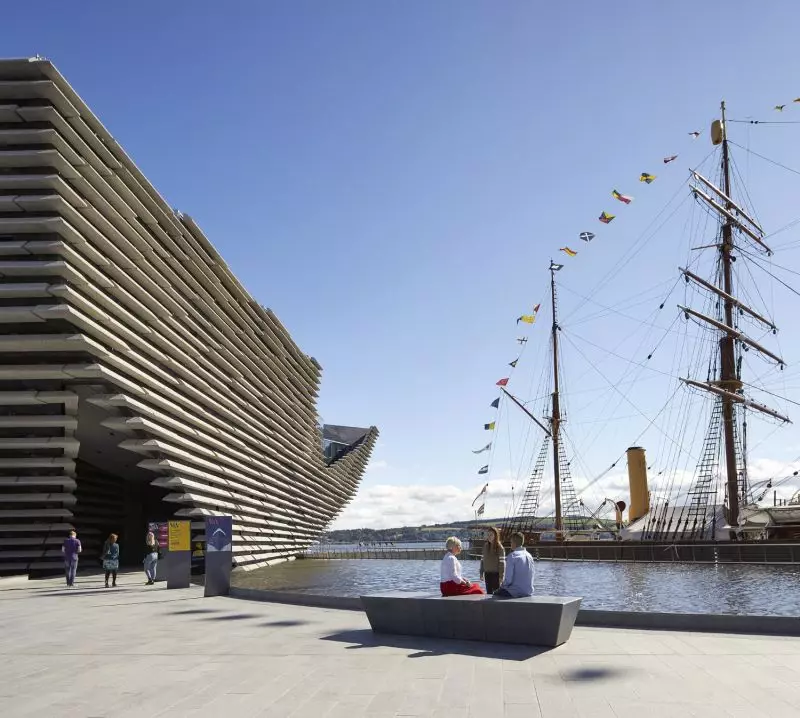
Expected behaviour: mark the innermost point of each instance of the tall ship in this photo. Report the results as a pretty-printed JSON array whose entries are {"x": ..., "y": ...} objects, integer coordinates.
[
  {"x": 704, "y": 505},
  {"x": 139, "y": 380}
]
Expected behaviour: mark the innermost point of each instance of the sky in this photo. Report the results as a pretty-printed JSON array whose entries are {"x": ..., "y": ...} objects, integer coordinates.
[{"x": 393, "y": 178}]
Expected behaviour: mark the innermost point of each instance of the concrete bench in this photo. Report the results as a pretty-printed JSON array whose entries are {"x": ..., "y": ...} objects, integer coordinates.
[{"x": 535, "y": 621}]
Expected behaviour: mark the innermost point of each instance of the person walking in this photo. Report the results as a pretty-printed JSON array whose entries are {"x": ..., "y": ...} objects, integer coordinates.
[
  {"x": 493, "y": 560},
  {"x": 151, "y": 549},
  {"x": 71, "y": 548},
  {"x": 111, "y": 559},
  {"x": 452, "y": 583},
  {"x": 520, "y": 570}
]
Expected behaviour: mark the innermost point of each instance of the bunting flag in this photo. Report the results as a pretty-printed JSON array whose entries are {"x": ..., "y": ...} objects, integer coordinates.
[
  {"x": 502, "y": 382},
  {"x": 522, "y": 340},
  {"x": 669, "y": 159},
  {"x": 489, "y": 426},
  {"x": 622, "y": 197},
  {"x": 554, "y": 267},
  {"x": 586, "y": 236},
  {"x": 694, "y": 135},
  {"x": 645, "y": 177},
  {"x": 606, "y": 218},
  {"x": 480, "y": 510},
  {"x": 513, "y": 364},
  {"x": 484, "y": 469},
  {"x": 485, "y": 448},
  {"x": 481, "y": 493},
  {"x": 779, "y": 108},
  {"x": 569, "y": 252},
  {"x": 529, "y": 318},
  {"x": 496, "y": 403}
]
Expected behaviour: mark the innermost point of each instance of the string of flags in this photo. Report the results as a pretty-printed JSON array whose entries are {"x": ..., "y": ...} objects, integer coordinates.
[
  {"x": 530, "y": 319},
  {"x": 779, "y": 108},
  {"x": 586, "y": 236},
  {"x": 481, "y": 495}
]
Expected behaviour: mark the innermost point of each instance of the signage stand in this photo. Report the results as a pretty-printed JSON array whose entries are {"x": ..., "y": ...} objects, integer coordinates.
[
  {"x": 179, "y": 556},
  {"x": 219, "y": 555}
]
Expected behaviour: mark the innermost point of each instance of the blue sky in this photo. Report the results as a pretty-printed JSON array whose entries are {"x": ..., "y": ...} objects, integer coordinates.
[{"x": 392, "y": 179}]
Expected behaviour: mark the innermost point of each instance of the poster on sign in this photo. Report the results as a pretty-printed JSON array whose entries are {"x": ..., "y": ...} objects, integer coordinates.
[
  {"x": 180, "y": 538},
  {"x": 160, "y": 530},
  {"x": 219, "y": 533}
]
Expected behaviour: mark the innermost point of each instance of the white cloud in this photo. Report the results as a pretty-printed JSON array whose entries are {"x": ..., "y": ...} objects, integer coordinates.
[{"x": 389, "y": 505}]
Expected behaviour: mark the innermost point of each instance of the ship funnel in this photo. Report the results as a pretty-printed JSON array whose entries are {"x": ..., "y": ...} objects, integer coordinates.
[{"x": 637, "y": 480}]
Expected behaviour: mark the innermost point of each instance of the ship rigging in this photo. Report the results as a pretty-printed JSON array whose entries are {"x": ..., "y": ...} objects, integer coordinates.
[{"x": 720, "y": 503}]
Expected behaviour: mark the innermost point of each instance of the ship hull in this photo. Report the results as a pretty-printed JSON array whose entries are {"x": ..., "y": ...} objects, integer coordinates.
[{"x": 763, "y": 552}]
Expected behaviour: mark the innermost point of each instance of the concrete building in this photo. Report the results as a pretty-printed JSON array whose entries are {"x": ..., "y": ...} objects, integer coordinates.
[{"x": 139, "y": 380}]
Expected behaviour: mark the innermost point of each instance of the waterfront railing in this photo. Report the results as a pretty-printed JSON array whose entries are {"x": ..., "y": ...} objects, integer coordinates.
[{"x": 733, "y": 552}]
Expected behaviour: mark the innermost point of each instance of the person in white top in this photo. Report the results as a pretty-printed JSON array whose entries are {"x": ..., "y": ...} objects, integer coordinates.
[{"x": 452, "y": 582}]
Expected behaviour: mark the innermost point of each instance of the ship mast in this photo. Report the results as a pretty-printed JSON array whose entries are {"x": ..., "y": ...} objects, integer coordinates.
[
  {"x": 555, "y": 420},
  {"x": 563, "y": 488},
  {"x": 729, "y": 381},
  {"x": 727, "y": 389}
]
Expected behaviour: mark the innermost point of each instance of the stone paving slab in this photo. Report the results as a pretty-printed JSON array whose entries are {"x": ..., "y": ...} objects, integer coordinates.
[{"x": 91, "y": 652}]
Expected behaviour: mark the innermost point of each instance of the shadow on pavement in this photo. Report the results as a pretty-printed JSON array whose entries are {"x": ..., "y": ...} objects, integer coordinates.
[
  {"x": 233, "y": 617},
  {"x": 283, "y": 624},
  {"x": 189, "y": 611},
  {"x": 77, "y": 591},
  {"x": 425, "y": 647},
  {"x": 590, "y": 674}
]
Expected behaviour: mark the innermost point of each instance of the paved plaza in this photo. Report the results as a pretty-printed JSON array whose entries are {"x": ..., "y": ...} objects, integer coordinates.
[{"x": 142, "y": 651}]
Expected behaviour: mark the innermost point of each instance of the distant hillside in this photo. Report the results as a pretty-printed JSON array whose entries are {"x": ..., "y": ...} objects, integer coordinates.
[{"x": 406, "y": 534}]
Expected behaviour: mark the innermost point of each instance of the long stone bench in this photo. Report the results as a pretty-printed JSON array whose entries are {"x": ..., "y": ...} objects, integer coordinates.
[{"x": 536, "y": 620}]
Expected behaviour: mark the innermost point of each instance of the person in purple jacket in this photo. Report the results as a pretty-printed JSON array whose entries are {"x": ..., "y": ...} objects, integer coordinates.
[{"x": 71, "y": 548}]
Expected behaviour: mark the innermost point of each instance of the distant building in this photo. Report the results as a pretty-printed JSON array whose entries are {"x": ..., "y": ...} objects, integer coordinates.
[{"x": 139, "y": 381}]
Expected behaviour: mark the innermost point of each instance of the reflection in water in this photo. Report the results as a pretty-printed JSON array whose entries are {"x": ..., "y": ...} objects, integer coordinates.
[{"x": 687, "y": 588}]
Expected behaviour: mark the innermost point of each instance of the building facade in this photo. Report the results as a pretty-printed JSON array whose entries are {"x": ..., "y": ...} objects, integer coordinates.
[{"x": 139, "y": 381}]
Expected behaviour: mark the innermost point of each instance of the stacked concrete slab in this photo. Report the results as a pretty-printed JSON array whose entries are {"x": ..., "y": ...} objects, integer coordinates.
[{"x": 139, "y": 380}]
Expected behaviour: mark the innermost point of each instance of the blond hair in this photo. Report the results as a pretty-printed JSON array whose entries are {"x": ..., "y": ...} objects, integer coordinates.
[{"x": 452, "y": 543}]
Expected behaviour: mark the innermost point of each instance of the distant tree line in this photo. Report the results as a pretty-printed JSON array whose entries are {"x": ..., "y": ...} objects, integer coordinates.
[{"x": 430, "y": 533}]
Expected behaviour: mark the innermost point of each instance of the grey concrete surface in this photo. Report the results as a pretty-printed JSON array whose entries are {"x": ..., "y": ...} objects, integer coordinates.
[
  {"x": 145, "y": 651},
  {"x": 534, "y": 621}
]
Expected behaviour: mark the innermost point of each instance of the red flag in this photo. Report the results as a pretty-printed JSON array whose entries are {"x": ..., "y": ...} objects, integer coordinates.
[{"x": 502, "y": 382}]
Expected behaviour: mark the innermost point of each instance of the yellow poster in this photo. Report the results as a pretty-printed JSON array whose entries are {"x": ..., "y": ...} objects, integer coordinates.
[{"x": 179, "y": 536}]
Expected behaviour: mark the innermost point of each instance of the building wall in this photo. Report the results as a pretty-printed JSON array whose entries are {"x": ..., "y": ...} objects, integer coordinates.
[{"x": 138, "y": 379}]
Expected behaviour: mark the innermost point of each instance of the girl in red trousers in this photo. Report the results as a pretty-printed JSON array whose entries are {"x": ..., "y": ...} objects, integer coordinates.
[{"x": 453, "y": 584}]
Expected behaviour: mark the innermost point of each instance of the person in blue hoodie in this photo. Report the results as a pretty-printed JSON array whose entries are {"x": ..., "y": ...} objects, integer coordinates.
[{"x": 518, "y": 579}]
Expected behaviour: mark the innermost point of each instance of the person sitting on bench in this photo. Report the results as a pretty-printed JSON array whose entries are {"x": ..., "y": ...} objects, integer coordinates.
[
  {"x": 518, "y": 580},
  {"x": 452, "y": 583}
]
